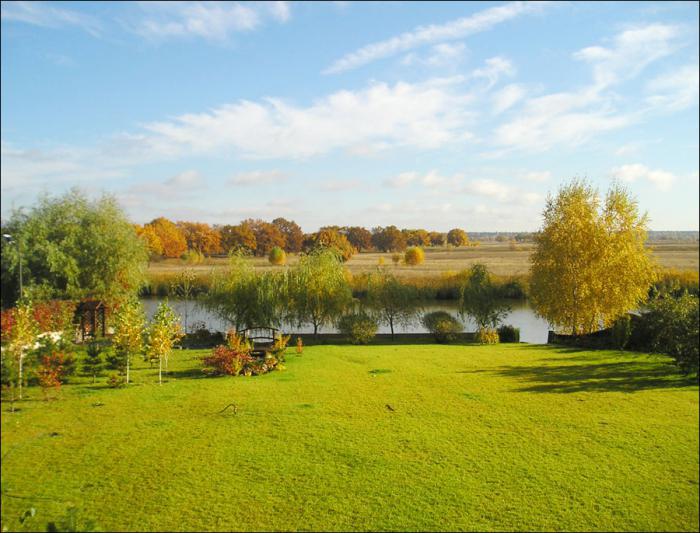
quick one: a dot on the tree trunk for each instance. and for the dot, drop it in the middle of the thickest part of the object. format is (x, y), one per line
(391, 325)
(160, 370)
(315, 329)
(127, 368)
(21, 359)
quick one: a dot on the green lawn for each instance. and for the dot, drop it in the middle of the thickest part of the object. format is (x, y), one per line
(367, 438)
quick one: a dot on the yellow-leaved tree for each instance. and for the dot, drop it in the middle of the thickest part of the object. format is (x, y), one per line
(129, 329)
(590, 265)
(163, 333)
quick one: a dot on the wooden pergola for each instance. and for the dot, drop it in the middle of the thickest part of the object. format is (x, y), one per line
(92, 318)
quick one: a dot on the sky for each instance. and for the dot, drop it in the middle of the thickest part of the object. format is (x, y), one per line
(424, 115)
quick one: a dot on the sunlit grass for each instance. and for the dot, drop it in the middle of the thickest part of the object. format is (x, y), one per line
(368, 438)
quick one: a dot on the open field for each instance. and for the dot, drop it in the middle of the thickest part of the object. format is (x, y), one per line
(428, 437)
(498, 257)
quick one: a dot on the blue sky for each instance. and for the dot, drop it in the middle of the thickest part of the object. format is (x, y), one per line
(430, 115)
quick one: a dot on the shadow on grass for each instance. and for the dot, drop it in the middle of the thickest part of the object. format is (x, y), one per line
(187, 373)
(595, 372)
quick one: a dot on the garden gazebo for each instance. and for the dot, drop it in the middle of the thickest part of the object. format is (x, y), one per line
(92, 318)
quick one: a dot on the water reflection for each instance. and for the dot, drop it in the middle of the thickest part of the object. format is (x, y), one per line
(532, 328)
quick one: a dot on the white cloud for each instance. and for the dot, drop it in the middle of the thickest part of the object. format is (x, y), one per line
(423, 115)
(441, 55)
(279, 10)
(340, 185)
(212, 21)
(631, 51)
(675, 90)
(434, 33)
(500, 192)
(662, 179)
(495, 68)
(257, 177)
(431, 179)
(507, 97)
(538, 177)
(189, 179)
(49, 16)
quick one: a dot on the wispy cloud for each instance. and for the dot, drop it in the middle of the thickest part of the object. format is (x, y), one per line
(48, 15)
(440, 55)
(661, 179)
(675, 90)
(434, 33)
(211, 21)
(257, 177)
(507, 97)
(423, 115)
(494, 68)
(429, 179)
(630, 52)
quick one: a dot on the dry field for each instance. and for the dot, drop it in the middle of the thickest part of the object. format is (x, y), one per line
(498, 257)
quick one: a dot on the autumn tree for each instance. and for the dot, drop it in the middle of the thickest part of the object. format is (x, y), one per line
(318, 290)
(238, 238)
(414, 255)
(292, 232)
(417, 237)
(394, 302)
(267, 236)
(21, 340)
(360, 238)
(171, 237)
(201, 237)
(163, 333)
(457, 237)
(129, 329)
(150, 237)
(437, 238)
(330, 237)
(388, 239)
(590, 265)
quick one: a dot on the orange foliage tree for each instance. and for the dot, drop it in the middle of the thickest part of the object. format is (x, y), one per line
(201, 237)
(240, 237)
(171, 237)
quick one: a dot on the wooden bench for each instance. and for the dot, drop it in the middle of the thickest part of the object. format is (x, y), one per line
(262, 337)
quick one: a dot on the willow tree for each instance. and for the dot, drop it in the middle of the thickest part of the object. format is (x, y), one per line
(590, 265)
(244, 298)
(318, 290)
(394, 302)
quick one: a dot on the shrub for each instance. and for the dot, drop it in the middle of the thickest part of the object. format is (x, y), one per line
(279, 347)
(414, 256)
(396, 258)
(487, 336)
(227, 361)
(300, 346)
(116, 381)
(442, 325)
(621, 331)
(277, 256)
(508, 333)
(50, 372)
(359, 327)
(673, 327)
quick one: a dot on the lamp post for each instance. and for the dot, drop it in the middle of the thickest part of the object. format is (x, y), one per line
(10, 239)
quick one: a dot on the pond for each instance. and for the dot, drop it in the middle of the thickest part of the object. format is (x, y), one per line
(532, 328)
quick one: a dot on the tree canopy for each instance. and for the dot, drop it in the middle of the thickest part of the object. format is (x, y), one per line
(72, 248)
(590, 265)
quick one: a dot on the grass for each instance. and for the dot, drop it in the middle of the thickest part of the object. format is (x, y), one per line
(498, 257)
(426, 437)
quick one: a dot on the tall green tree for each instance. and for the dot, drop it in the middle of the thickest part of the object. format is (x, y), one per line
(394, 302)
(129, 330)
(479, 299)
(590, 265)
(74, 247)
(318, 289)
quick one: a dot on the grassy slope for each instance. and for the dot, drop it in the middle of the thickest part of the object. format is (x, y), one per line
(487, 438)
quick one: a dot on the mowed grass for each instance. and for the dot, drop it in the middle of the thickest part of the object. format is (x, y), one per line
(498, 257)
(428, 437)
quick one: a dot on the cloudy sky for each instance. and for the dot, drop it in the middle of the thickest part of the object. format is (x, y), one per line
(427, 115)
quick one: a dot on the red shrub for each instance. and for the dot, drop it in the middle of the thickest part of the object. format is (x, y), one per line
(51, 371)
(54, 315)
(7, 321)
(228, 361)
